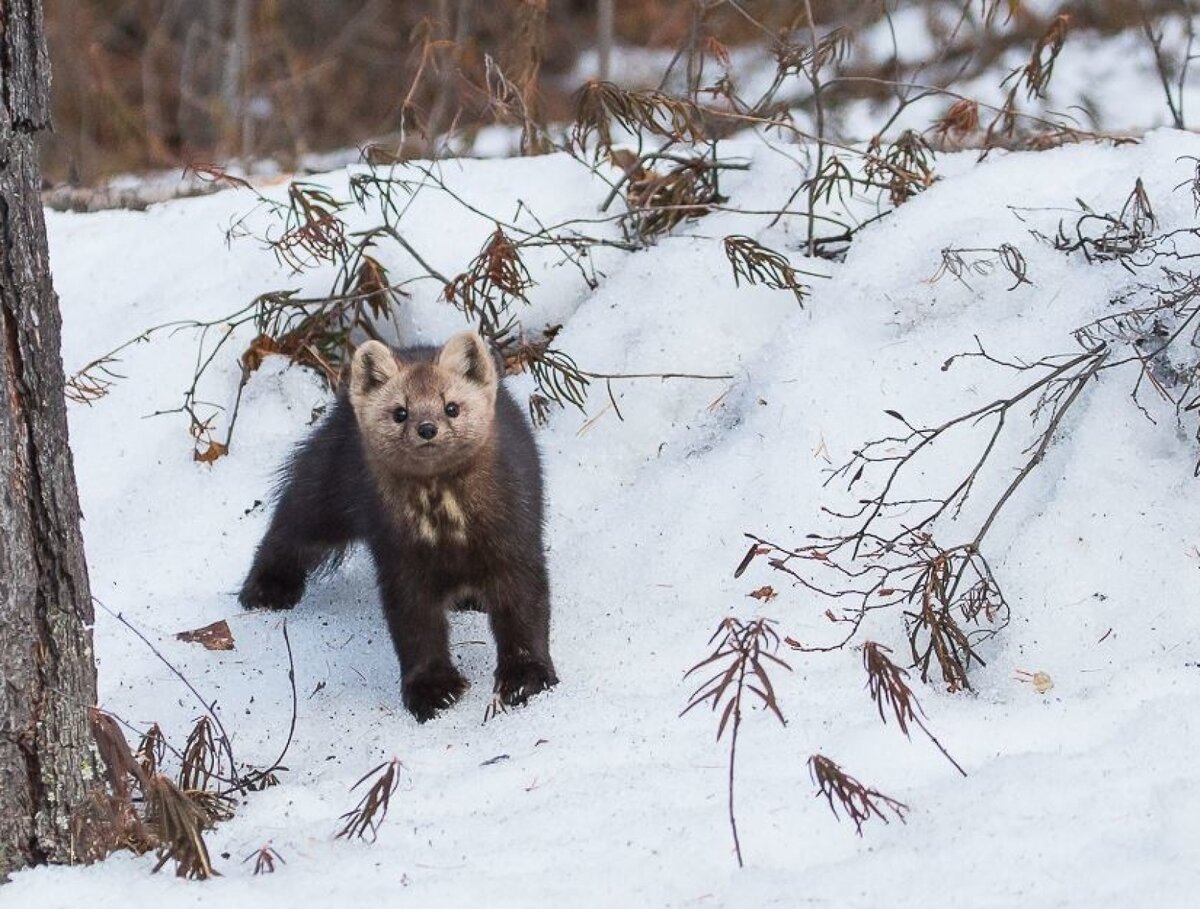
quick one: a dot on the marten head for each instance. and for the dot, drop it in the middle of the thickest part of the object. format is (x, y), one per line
(425, 418)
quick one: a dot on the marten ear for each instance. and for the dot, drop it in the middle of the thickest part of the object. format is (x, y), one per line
(373, 365)
(467, 355)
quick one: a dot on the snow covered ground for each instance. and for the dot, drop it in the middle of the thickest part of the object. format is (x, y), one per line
(598, 793)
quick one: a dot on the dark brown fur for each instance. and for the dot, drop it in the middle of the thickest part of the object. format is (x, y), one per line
(451, 520)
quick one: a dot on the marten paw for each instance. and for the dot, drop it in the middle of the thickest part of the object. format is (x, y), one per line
(265, 589)
(518, 680)
(431, 690)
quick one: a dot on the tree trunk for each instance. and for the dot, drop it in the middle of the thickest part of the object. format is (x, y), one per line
(604, 38)
(49, 678)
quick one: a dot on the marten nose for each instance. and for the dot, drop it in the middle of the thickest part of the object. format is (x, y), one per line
(427, 430)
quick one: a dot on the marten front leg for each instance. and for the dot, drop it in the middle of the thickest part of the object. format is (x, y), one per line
(313, 520)
(282, 564)
(299, 540)
(416, 618)
(519, 610)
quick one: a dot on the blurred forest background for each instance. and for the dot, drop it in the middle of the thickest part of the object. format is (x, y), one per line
(157, 84)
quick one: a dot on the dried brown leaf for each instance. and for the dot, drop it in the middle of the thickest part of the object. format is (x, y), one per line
(216, 636)
(212, 451)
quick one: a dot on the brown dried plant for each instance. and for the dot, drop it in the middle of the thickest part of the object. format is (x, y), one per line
(104, 823)
(200, 766)
(1034, 76)
(948, 598)
(123, 770)
(948, 595)
(904, 167)
(265, 858)
(172, 816)
(107, 821)
(756, 264)
(201, 760)
(495, 279)
(743, 653)
(313, 231)
(365, 818)
(1037, 72)
(951, 588)
(888, 685)
(658, 201)
(598, 105)
(959, 261)
(92, 382)
(179, 822)
(555, 372)
(1127, 237)
(172, 820)
(860, 802)
(959, 121)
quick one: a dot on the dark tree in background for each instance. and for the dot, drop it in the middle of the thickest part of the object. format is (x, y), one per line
(47, 674)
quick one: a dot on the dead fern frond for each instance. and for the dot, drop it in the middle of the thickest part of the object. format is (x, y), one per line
(365, 818)
(559, 378)
(1034, 76)
(833, 177)
(860, 802)
(795, 59)
(215, 805)
(215, 173)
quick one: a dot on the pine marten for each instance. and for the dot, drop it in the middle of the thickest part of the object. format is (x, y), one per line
(426, 459)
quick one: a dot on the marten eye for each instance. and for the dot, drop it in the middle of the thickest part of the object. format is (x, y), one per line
(400, 414)
(452, 409)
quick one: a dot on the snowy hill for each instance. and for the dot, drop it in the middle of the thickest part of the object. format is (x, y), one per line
(598, 793)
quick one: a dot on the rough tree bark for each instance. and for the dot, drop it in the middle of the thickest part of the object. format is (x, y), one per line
(47, 675)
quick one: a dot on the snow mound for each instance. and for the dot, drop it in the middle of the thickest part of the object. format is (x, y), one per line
(1086, 795)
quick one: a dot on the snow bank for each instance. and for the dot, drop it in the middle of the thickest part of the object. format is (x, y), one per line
(1084, 796)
